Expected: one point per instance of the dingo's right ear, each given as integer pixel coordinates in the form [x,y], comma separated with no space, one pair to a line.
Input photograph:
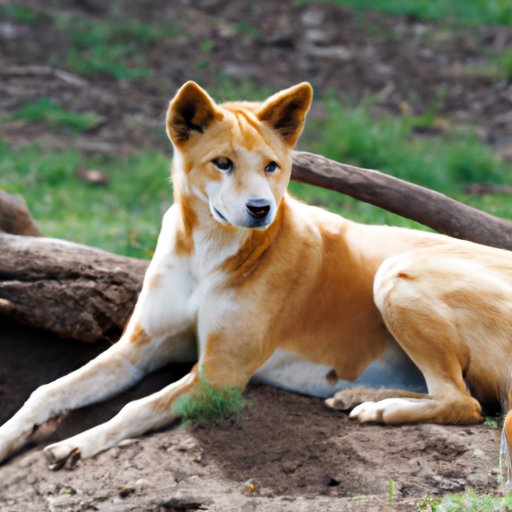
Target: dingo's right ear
[191,109]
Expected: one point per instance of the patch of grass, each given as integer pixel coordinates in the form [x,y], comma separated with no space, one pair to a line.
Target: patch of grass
[491,422]
[242,27]
[123,216]
[48,111]
[23,14]
[349,207]
[469,501]
[115,48]
[227,89]
[444,163]
[462,12]
[506,64]
[391,492]
[206,404]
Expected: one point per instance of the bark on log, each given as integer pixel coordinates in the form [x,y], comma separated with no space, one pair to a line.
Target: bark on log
[403,198]
[72,290]
[15,217]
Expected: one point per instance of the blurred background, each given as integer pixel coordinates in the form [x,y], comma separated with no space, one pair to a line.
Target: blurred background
[421,89]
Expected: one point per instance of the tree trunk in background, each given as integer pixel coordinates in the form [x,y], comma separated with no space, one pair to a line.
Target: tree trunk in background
[87,294]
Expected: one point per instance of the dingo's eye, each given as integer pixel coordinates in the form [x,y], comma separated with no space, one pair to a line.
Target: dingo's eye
[271,167]
[223,164]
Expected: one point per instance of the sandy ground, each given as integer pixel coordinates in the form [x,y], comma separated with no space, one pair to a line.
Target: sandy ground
[287,453]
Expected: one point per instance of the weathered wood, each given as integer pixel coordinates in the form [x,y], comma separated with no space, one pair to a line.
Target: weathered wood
[403,198]
[15,217]
[69,289]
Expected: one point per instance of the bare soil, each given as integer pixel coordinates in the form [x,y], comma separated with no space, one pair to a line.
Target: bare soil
[288,452]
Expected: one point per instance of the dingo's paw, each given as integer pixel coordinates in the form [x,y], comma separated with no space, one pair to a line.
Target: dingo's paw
[61,454]
[368,412]
[391,410]
[349,398]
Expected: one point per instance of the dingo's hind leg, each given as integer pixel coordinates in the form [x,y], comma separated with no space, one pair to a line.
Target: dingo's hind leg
[410,295]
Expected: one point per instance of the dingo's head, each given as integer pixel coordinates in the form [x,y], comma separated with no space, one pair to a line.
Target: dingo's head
[237,156]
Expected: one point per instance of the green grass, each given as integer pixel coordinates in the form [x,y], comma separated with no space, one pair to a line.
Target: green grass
[498,205]
[114,47]
[462,12]
[23,14]
[445,163]
[469,501]
[206,404]
[506,64]
[123,216]
[48,111]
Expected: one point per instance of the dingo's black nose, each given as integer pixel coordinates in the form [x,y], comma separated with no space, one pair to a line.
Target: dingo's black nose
[258,208]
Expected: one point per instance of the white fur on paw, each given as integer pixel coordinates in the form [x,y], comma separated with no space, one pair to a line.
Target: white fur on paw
[62,454]
[331,403]
[368,412]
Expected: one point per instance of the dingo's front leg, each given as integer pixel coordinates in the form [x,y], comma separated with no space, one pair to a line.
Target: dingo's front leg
[134,419]
[228,359]
[158,332]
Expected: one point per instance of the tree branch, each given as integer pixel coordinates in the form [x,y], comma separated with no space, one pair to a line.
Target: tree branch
[403,198]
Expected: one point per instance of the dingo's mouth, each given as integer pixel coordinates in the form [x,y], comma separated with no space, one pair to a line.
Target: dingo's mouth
[220,216]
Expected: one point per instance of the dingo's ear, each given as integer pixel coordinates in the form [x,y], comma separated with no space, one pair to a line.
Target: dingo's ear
[286,110]
[190,110]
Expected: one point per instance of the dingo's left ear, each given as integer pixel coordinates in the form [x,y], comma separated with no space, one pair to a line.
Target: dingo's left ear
[286,110]
[190,110]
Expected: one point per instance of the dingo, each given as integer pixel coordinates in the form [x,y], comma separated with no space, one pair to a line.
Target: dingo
[250,282]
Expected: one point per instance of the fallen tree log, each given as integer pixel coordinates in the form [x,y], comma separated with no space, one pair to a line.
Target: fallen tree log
[425,206]
[87,294]
[72,290]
